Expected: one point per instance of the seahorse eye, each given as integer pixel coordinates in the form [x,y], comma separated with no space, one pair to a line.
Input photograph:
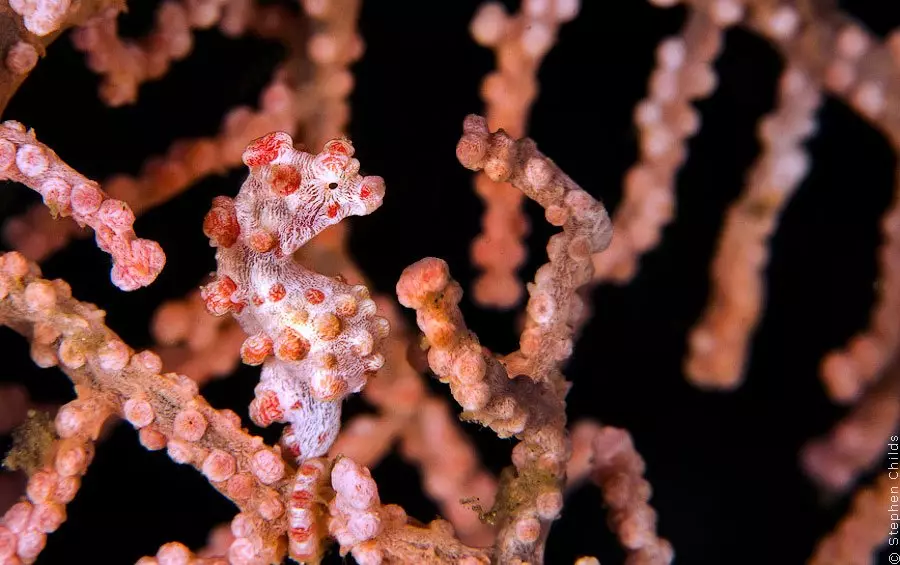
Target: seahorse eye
[332,185]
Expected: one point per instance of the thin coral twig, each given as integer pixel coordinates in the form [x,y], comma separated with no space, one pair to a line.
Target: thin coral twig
[521,394]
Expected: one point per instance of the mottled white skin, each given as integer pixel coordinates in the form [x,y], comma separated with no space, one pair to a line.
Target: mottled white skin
[309,390]
[298,217]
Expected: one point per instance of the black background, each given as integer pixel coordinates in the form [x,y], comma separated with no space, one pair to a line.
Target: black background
[723,465]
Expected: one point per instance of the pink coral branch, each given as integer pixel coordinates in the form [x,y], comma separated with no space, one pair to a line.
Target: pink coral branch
[521,394]
[665,119]
[126,64]
[855,445]
[27,28]
[334,44]
[166,408]
[519,42]
[162,178]
[377,533]
[136,262]
[553,304]
[720,343]
[55,482]
[618,470]
[862,531]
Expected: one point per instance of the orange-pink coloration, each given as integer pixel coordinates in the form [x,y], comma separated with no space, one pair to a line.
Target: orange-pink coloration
[240,487]
[528,530]
[31,160]
[266,408]
[220,223]
[256,348]
[328,326]
[270,507]
[136,262]
[152,439]
[262,241]
[346,306]
[267,466]
[284,179]
[189,425]
[314,296]
[277,292]
[292,346]
[292,449]
[180,451]
[138,412]
[21,58]
[86,199]
[217,295]
[335,155]
[301,496]
[56,195]
[219,466]
[41,296]
[41,486]
[147,361]
[371,186]
[117,215]
[338,146]
[71,461]
[7,154]
[425,277]
[329,389]
[266,149]
[67,487]
[143,262]
[7,543]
